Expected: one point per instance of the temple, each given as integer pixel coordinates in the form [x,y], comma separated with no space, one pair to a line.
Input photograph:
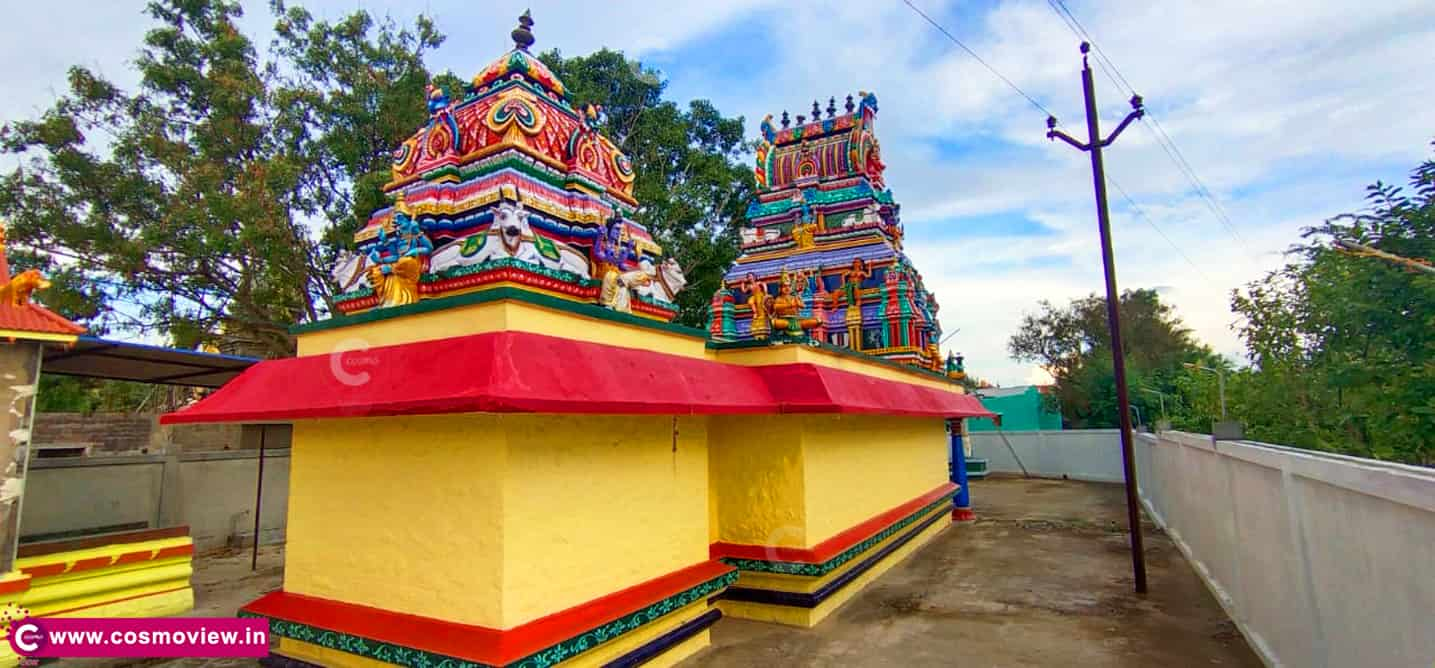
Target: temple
[822,246]
[506,454]
[511,185]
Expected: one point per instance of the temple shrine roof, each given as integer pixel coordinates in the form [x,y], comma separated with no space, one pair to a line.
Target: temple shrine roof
[518,103]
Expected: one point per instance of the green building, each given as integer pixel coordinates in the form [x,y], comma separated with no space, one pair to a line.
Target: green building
[1022,408]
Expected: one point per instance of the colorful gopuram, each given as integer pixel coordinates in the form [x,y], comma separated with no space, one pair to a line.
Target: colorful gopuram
[822,253]
[511,185]
[505,454]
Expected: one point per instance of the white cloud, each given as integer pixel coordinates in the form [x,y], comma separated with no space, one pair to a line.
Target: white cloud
[1286,109]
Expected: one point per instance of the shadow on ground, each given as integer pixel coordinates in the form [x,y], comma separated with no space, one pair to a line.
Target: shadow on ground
[1043,578]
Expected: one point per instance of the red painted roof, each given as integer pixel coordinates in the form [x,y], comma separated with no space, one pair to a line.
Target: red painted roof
[521,372]
[35,318]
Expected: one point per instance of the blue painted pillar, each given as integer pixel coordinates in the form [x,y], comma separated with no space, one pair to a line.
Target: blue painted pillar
[962,502]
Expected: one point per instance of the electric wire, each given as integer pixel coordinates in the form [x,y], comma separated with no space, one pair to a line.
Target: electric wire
[1163,139]
[1075,28]
[978,58]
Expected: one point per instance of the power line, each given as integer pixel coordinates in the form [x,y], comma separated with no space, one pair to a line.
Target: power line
[1142,215]
[1076,27]
[979,59]
[1163,139]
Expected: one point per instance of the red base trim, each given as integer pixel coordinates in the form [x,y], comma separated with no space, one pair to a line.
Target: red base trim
[478,643]
[835,545]
[963,515]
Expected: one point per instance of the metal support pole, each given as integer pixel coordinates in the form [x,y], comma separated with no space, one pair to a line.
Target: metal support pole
[258,499]
[1093,145]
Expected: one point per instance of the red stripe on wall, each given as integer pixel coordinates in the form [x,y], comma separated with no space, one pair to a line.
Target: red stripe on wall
[835,545]
[478,643]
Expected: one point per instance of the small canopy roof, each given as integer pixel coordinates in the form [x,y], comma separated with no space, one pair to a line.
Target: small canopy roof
[119,360]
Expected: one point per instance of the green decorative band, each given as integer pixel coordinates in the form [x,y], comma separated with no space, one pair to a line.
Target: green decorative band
[819,570]
[562,651]
[491,295]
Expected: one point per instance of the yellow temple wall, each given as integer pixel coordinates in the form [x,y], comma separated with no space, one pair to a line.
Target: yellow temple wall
[597,503]
[403,513]
[858,466]
[493,520]
[756,470]
[797,480]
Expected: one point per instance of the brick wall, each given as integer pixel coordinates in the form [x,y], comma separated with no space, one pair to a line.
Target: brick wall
[116,433]
[106,433]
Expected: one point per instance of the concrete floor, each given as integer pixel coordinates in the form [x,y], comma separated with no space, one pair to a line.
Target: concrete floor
[1043,578]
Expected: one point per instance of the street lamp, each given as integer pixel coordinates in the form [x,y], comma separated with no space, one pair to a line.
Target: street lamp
[1220,381]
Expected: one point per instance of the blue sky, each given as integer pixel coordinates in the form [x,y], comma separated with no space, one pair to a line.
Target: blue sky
[1285,109]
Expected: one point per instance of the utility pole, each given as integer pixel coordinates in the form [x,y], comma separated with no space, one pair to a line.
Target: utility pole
[1093,145]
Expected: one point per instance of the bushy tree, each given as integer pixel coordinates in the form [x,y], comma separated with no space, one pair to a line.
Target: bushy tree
[173,197]
[1341,346]
[1073,344]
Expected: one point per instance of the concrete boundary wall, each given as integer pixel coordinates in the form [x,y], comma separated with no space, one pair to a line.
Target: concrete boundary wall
[212,492]
[1078,454]
[1320,560]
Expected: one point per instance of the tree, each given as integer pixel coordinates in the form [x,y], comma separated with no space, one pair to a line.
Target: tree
[184,209]
[348,94]
[1074,345]
[1341,347]
[175,198]
[692,182]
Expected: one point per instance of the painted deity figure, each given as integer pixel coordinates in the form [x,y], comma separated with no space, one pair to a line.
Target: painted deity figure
[758,301]
[805,228]
[956,367]
[616,263]
[852,295]
[787,307]
[397,261]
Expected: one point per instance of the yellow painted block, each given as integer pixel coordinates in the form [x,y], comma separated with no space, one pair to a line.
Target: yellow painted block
[628,642]
[858,466]
[756,466]
[809,617]
[493,520]
[595,504]
[323,656]
[805,584]
[403,514]
[682,650]
[45,598]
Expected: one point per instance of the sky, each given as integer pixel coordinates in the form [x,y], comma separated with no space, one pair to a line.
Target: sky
[1284,110]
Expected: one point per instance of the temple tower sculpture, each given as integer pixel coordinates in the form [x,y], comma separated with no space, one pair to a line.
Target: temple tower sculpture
[822,256]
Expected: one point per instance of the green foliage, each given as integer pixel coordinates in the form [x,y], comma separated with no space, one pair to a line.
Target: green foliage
[1342,354]
[1073,344]
[692,184]
[213,198]
[180,204]
[69,394]
[349,93]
